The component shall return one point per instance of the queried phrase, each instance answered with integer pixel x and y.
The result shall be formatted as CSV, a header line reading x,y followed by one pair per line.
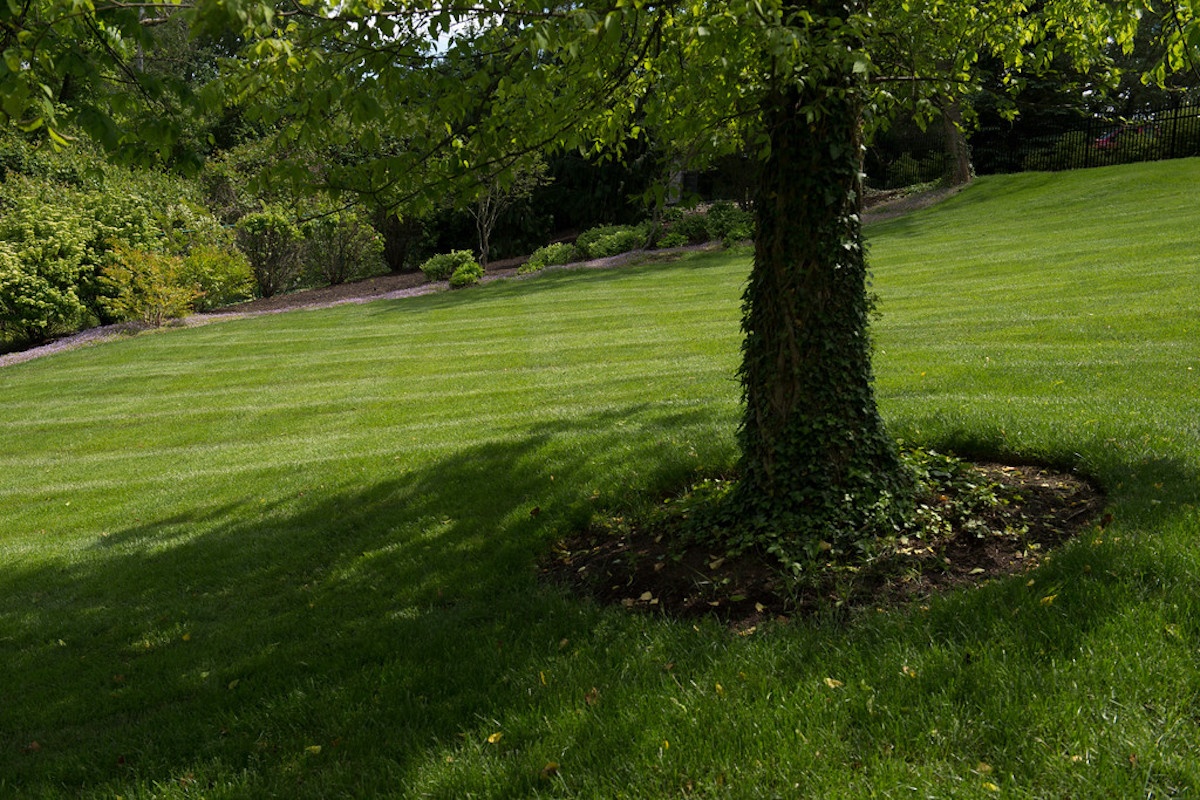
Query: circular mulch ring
x,y
645,572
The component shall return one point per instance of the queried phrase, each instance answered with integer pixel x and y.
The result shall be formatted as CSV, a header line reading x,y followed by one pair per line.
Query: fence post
x,y
1175,116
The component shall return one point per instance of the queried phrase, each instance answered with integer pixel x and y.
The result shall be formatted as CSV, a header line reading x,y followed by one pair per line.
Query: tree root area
x,y
650,572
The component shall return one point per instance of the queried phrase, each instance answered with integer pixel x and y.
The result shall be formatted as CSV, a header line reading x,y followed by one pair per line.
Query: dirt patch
x,y
382,287
645,572
890,205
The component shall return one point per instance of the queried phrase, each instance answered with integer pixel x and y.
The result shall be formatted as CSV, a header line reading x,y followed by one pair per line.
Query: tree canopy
x,y
405,83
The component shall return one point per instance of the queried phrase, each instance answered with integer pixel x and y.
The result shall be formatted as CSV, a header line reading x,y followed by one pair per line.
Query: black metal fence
x,y
1170,132
907,155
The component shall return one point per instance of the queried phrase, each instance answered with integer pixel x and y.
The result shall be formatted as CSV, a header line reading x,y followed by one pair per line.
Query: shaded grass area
x,y
297,555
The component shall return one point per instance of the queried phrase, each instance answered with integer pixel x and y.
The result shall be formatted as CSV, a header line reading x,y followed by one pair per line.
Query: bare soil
x,y
645,571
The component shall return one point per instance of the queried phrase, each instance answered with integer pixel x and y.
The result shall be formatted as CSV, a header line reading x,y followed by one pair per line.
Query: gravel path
x,y
388,287
395,287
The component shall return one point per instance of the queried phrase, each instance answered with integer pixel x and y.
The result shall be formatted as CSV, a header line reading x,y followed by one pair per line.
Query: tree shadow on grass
x,y
232,643
310,646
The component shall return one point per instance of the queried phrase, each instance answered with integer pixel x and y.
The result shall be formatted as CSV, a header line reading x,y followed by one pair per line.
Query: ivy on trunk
x,y
818,470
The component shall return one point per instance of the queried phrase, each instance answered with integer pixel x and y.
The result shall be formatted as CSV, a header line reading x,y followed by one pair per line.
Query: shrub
x,y
221,276
727,223
46,257
340,247
36,300
272,242
149,287
442,266
61,229
672,239
186,225
548,256
467,274
122,211
615,244
611,240
692,227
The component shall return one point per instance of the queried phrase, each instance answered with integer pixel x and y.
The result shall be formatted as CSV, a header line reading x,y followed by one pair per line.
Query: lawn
x,y
296,555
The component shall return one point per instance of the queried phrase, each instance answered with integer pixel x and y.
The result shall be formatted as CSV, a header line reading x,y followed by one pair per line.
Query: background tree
x,y
495,198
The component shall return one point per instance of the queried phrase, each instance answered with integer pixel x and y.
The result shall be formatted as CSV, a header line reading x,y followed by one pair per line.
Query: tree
x,y
495,198
475,87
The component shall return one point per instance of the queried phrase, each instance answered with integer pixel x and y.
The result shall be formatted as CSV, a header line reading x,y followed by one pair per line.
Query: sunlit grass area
x,y
296,555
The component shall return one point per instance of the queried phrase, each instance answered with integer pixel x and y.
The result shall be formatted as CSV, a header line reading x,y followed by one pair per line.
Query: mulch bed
x,y
646,572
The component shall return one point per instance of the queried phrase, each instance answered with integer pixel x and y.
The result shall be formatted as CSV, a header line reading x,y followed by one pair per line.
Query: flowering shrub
x,y
44,260
36,300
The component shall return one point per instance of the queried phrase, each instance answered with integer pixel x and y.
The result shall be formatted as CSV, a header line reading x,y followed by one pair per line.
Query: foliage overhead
x,y
412,95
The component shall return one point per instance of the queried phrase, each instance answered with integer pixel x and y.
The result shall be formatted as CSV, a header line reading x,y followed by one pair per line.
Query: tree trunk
x,y
961,170
818,471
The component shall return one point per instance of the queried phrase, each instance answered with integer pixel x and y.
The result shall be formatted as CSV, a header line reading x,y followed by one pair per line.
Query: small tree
x,y
499,192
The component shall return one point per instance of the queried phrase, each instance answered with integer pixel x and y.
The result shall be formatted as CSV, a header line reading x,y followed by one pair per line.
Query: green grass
x,y
295,555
